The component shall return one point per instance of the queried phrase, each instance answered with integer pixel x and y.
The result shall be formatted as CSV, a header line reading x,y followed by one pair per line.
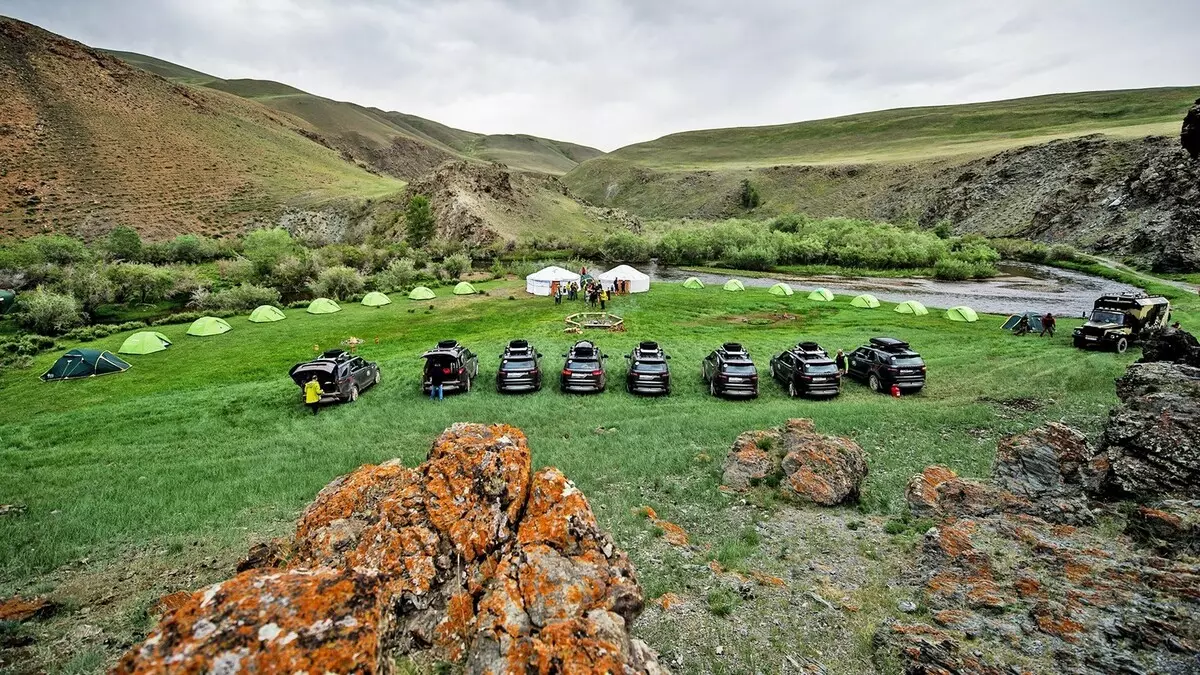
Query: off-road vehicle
x,y
648,372
1119,320
458,366
583,371
886,361
520,368
807,370
729,371
342,375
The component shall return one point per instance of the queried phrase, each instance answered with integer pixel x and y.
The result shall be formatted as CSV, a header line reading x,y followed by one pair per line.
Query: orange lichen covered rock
x,y
673,533
807,466
747,463
468,556
17,608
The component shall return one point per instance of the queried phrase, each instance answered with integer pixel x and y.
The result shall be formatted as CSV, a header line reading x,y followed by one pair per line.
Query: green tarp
x,y
266,314
693,283
821,295
962,313
323,306
79,363
421,293
376,299
463,288
780,289
733,285
911,307
208,325
145,342
7,298
865,301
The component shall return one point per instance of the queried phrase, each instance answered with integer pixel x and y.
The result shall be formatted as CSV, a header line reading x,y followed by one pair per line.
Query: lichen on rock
x,y
807,466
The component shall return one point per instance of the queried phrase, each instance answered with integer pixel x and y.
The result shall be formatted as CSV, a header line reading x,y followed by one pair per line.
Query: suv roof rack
x,y
648,346
733,348
889,344
447,344
335,354
810,348
518,344
583,352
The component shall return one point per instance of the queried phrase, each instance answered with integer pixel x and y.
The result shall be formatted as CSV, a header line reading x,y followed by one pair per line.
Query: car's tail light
x,y
754,378
461,371
597,373
722,376
566,372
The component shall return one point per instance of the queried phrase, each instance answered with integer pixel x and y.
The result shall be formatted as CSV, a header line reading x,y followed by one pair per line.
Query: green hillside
x,y
385,139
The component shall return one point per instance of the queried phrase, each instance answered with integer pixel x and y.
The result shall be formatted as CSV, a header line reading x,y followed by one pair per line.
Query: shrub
x,y
338,283
124,243
1021,249
56,248
145,283
265,248
760,256
748,195
1062,253
953,269
295,273
191,248
456,265
240,297
400,274
89,286
625,247
47,313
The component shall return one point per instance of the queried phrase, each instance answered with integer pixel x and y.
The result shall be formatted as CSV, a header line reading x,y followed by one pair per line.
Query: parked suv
x,y
520,368
887,361
807,370
458,364
648,372
583,371
729,371
342,375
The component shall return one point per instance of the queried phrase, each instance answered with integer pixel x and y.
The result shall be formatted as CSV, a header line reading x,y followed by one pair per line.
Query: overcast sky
x,y
612,72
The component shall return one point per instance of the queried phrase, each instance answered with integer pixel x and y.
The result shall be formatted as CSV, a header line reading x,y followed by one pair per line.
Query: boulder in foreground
x,y
807,466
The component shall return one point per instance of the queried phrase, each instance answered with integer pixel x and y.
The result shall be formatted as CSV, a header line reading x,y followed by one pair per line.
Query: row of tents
x,y
862,301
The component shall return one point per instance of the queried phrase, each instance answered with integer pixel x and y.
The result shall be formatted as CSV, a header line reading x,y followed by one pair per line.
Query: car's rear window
x,y
910,360
583,365
739,369
820,368
650,366
517,364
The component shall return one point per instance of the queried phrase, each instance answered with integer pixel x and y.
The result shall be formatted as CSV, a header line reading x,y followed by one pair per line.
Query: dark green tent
x,y
7,298
79,363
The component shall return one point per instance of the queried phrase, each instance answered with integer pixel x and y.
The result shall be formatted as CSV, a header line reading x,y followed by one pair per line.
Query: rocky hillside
x,y
88,141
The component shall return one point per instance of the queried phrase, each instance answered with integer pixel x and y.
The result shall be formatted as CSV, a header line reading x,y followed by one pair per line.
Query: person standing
x,y
437,376
603,298
312,394
1048,324
841,362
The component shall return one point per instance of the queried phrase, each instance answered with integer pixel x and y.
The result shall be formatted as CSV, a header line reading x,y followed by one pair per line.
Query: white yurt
x,y
539,282
638,282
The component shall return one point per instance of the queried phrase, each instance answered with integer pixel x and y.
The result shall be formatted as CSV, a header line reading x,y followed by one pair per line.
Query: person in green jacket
x,y
312,394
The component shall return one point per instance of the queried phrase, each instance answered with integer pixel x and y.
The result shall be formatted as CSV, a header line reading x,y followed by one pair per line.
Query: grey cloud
x,y
612,72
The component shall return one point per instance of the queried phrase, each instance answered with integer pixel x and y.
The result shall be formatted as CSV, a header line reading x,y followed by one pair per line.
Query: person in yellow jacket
x,y
312,394
603,298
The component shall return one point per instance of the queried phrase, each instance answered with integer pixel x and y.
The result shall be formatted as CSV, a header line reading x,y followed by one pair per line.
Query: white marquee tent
x,y
539,282
638,282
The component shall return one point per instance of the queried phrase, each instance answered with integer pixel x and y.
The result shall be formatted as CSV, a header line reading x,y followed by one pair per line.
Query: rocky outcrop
x,y
1171,527
1173,345
470,558
805,465
1152,439
1189,134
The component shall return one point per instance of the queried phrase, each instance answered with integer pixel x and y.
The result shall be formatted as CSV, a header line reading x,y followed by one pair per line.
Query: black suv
x,y
648,371
887,361
520,368
342,375
458,366
807,370
583,371
730,372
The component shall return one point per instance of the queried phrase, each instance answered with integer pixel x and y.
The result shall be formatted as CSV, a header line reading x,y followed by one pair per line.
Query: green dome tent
x,y
376,299
865,301
79,363
911,307
463,288
733,285
208,325
7,299
323,306
780,289
145,342
421,293
693,283
962,313
266,314
821,295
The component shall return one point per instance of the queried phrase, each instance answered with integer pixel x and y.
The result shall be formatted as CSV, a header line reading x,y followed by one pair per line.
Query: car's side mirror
x,y
539,355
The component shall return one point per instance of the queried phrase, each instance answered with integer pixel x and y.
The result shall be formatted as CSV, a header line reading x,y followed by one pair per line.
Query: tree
x,y
146,283
398,275
124,243
295,272
89,286
748,195
48,313
418,220
265,248
338,283
457,264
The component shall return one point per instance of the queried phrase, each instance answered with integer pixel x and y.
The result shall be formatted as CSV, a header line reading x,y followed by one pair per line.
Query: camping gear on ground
x,y
540,281
733,285
962,313
145,342
865,301
911,307
80,363
376,299
266,314
780,289
638,282
1035,321
323,306
208,325
421,293
463,288
7,299
693,283
820,295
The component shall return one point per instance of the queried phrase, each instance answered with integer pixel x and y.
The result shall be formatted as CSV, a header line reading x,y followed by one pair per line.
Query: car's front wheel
x,y
792,389
875,384
353,393
712,387
1122,345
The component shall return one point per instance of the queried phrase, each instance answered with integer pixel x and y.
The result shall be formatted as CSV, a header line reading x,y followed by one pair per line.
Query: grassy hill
x,y
89,141
387,140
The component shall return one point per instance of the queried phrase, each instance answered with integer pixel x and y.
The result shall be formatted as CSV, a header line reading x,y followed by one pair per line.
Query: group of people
x,y
1023,327
593,292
